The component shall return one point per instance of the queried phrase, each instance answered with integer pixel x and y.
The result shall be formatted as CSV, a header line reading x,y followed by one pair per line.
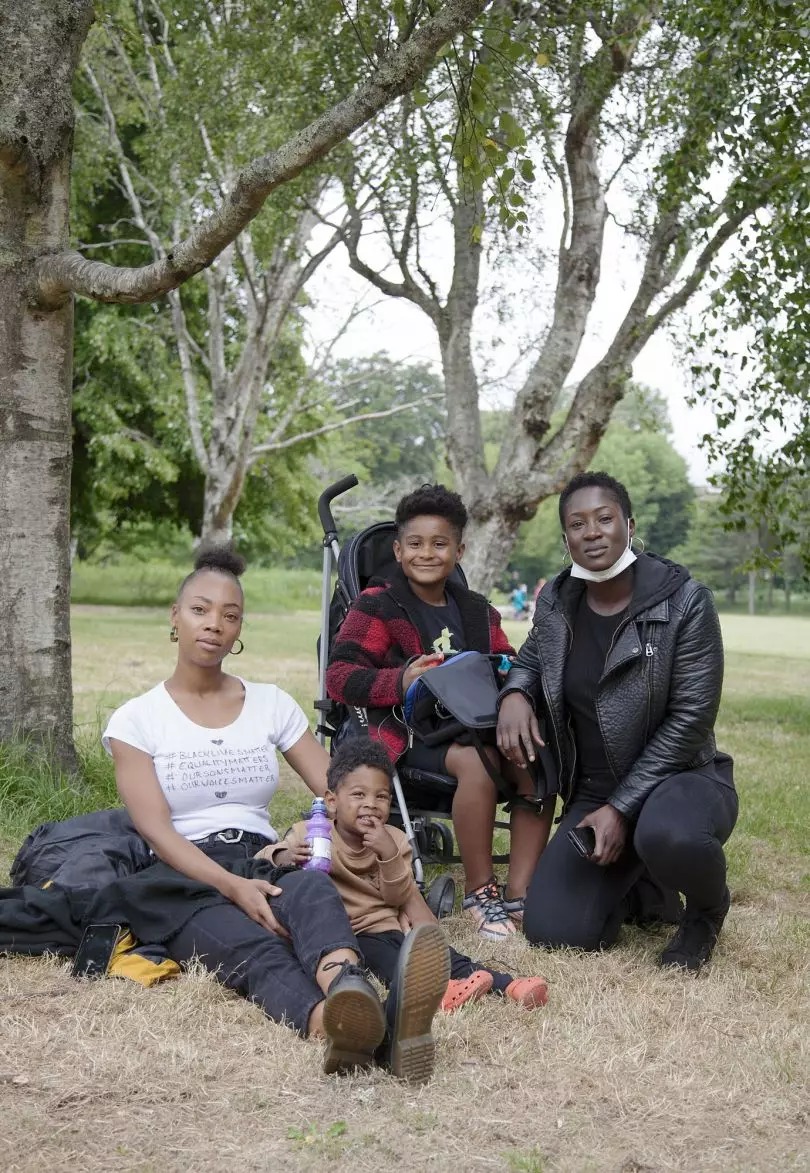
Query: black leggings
x,y
678,838
381,953
258,964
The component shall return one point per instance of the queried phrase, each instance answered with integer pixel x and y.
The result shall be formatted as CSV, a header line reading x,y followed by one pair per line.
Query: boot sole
x,y
355,1026
424,974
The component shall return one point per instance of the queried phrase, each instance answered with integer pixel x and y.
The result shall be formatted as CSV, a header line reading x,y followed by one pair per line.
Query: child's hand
x,y
292,854
379,840
504,664
418,666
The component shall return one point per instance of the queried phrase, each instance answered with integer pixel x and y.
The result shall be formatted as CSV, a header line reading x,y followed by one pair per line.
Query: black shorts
x,y
433,758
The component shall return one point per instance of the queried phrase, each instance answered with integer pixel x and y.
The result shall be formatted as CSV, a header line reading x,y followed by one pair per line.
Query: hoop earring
x,y
173,636
570,561
241,648
636,538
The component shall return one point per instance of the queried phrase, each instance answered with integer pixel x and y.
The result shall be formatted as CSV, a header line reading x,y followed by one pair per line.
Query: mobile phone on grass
x,y
584,840
95,952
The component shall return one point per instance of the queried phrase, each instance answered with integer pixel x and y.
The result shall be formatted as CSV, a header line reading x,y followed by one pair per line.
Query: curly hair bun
x,y
223,558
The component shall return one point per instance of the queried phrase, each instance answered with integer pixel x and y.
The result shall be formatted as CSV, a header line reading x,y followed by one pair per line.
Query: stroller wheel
x,y
441,896
440,842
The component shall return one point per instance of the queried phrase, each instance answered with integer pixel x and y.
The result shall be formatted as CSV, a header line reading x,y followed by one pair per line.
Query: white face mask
x,y
627,559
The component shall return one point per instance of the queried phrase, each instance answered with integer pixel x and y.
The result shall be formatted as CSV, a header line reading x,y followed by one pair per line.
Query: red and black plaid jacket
x,y
380,636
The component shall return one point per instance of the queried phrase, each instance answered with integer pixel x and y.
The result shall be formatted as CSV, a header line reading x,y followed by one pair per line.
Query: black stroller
x,y
422,801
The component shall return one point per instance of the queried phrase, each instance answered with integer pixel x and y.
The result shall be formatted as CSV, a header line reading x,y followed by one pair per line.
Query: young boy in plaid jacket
x,y
395,632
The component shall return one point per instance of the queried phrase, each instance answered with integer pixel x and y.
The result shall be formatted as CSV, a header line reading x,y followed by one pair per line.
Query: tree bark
x,y
40,43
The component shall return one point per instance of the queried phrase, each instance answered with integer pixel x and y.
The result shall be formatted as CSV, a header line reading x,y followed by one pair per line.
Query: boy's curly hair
x,y
596,480
432,501
354,753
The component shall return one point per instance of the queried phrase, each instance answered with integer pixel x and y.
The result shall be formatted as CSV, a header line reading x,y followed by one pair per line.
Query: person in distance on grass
x,y
394,633
371,868
625,660
195,763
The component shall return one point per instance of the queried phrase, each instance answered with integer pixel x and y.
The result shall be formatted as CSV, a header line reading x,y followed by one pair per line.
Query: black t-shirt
x,y
443,625
583,669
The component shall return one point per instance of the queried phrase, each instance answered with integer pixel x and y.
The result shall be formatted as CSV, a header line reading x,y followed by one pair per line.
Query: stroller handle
x,y
327,497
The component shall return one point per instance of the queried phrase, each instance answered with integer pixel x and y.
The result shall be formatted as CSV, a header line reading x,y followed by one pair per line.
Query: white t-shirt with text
x,y
213,779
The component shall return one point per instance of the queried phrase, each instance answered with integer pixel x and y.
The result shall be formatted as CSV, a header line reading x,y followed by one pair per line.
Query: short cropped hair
x,y
353,754
222,558
432,501
596,480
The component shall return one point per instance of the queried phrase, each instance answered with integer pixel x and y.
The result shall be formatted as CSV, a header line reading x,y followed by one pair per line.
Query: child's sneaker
x,y
459,991
485,906
527,992
515,907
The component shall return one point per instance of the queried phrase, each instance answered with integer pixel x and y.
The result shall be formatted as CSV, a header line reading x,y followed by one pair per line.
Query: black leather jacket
x,y
659,694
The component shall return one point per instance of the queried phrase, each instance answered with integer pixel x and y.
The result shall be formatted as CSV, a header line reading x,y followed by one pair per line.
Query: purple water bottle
x,y
319,834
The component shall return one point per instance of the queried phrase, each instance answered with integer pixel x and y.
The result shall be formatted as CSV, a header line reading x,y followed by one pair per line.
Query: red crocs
x,y
528,992
467,990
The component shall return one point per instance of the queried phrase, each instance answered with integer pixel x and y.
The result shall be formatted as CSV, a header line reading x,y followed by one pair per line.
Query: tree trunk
x,y
786,581
40,43
769,603
489,543
223,488
752,592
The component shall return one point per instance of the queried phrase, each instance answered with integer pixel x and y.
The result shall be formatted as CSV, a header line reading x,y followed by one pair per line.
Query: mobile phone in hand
x,y
95,952
584,840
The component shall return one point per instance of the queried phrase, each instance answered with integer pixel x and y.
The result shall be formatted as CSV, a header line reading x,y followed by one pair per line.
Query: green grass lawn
x,y
628,1069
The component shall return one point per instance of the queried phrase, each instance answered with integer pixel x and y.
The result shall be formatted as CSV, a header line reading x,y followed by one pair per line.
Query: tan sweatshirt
x,y
372,890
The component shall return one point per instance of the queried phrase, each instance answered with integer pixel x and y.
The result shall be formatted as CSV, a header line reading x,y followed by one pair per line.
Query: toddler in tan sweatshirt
x,y
371,868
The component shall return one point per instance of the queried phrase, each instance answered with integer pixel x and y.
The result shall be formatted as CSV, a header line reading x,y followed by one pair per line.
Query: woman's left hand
x,y
610,829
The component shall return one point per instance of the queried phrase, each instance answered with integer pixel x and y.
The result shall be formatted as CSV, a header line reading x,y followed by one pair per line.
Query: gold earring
x,y
173,636
241,648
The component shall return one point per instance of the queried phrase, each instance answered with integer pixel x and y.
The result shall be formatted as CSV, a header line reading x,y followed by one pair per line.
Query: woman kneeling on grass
x,y
625,661
195,763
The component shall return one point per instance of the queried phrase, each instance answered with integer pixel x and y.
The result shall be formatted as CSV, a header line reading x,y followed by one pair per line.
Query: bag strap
x,y
504,788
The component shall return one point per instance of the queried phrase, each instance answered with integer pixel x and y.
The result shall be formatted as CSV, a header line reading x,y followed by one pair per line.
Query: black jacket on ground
x,y
83,852
154,904
96,869
658,696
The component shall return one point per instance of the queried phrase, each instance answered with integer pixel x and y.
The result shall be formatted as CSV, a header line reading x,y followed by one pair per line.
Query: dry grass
x,y
628,1069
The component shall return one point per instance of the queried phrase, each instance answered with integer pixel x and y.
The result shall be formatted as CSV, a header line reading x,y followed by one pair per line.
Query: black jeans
x,y
258,964
678,838
381,952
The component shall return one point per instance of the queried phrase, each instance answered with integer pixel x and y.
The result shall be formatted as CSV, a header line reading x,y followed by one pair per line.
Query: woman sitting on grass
x,y
195,763
625,659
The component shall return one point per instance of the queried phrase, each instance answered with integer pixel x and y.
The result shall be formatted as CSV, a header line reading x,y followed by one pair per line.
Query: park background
x,y
324,341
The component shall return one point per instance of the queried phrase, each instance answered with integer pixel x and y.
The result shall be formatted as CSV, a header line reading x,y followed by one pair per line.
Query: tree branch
x,y
603,386
182,335
60,274
580,259
278,445
407,289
